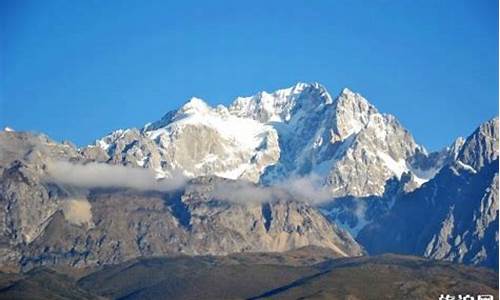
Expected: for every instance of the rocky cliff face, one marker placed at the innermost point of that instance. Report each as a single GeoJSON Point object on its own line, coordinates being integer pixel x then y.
{"type": "Point", "coordinates": [346, 141]}
{"type": "Point", "coordinates": [271, 137]}
{"type": "Point", "coordinates": [454, 216]}
{"type": "Point", "coordinates": [45, 222]}
{"type": "Point", "coordinates": [125, 225]}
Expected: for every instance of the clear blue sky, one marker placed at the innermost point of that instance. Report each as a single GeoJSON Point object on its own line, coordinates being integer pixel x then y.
{"type": "Point", "coordinates": [79, 69]}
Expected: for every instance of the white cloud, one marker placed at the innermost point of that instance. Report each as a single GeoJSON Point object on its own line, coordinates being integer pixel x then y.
{"type": "Point", "coordinates": [93, 175]}
{"type": "Point", "coordinates": [306, 189]}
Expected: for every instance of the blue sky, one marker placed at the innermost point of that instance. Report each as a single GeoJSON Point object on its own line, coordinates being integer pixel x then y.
{"type": "Point", "coordinates": [76, 70]}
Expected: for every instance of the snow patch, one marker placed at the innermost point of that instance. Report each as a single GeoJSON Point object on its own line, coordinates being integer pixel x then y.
{"type": "Point", "coordinates": [195, 105]}
{"type": "Point", "coordinates": [466, 167]}
{"type": "Point", "coordinates": [396, 167]}
{"type": "Point", "coordinates": [419, 181]}
{"type": "Point", "coordinates": [142, 161]}
{"type": "Point", "coordinates": [234, 173]}
{"type": "Point", "coordinates": [422, 176]}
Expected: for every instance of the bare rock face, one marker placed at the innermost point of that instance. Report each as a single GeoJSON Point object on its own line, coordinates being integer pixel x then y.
{"type": "Point", "coordinates": [455, 215]}
{"type": "Point", "coordinates": [280, 225]}
{"type": "Point", "coordinates": [481, 148]}
{"type": "Point", "coordinates": [26, 202]}
{"type": "Point", "coordinates": [47, 223]}
{"type": "Point", "coordinates": [127, 224]}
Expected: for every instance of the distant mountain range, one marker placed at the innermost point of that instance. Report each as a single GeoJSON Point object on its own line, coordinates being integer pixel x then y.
{"type": "Point", "coordinates": [269, 173]}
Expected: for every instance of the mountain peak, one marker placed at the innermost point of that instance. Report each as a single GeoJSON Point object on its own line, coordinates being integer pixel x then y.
{"type": "Point", "coordinates": [353, 113]}
{"type": "Point", "coordinates": [272, 135]}
{"type": "Point", "coordinates": [481, 147]}
{"type": "Point", "coordinates": [348, 95]}
{"type": "Point", "coordinates": [347, 92]}
{"type": "Point", "coordinates": [195, 105]}
{"type": "Point", "coordinates": [300, 86]}
{"type": "Point", "coordinates": [491, 125]}
{"type": "Point", "coordinates": [269, 107]}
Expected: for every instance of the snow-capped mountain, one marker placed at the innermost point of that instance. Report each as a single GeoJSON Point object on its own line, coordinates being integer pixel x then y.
{"type": "Point", "coordinates": [197, 140]}
{"type": "Point", "coordinates": [455, 215]}
{"type": "Point", "coordinates": [380, 185]}
{"type": "Point", "coordinates": [269, 137]}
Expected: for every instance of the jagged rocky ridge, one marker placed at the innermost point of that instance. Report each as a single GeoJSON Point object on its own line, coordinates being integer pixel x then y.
{"type": "Point", "coordinates": [48, 223]}
{"type": "Point", "coordinates": [368, 162]}
{"type": "Point", "coordinates": [268, 138]}
{"type": "Point", "coordinates": [454, 216]}
{"type": "Point", "coordinates": [342, 142]}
